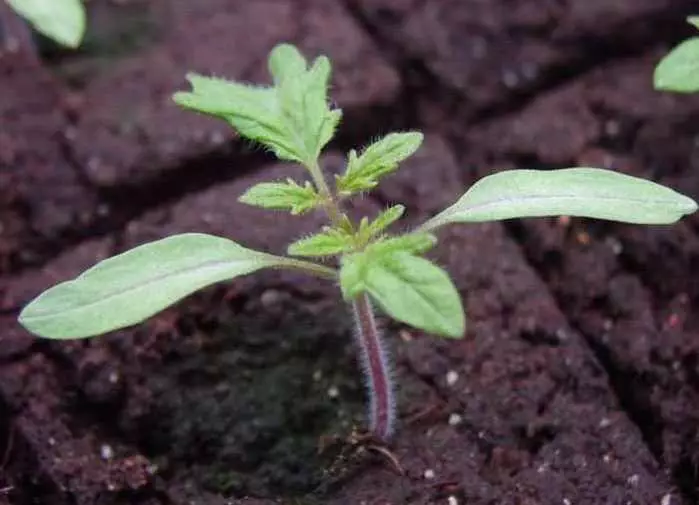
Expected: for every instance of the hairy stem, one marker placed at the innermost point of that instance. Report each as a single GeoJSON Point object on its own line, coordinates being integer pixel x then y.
{"type": "Point", "coordinates": [312, 268]}
{"type": "Point", "coordinates": [382, 407]}
{"type": "Point", "coordinates": [332, 207]}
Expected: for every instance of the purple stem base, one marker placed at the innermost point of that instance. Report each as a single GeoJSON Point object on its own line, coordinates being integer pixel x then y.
{"type": "Point", "coordinates": [382, 411]}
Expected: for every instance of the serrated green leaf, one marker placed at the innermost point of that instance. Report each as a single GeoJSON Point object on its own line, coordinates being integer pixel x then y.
{"type": "Point", "coordinates": [409, 288]}
{"type": "Point", "coordinates": [126, 289]}
{"type": "Point", "coordinates": [285, 61]}
{"type": "Point", "coordinates": [293, 118]}
{"type": "Point", "coordinates": [694, 21]}
{"type": "Point", "coordinates": [253, 111]}
{"type": "Point", "coordinates": [583, 192]}
{"type": "Point", "coordinates": [283, 196]}
{"type": "Point", "coordinates": [380, 158]}
{"type": "Point", "coordinates": [61, 20]}
{"type": "Point", "coordinates": [328, 243]}
{"type": "Point", "coordinates": [679, 70]}
{"type": "Point", "coordinates": [304, 105]}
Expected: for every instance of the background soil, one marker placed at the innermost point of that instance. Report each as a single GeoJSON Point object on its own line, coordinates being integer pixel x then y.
{"type": "Point", "coordinates": [578, 380]}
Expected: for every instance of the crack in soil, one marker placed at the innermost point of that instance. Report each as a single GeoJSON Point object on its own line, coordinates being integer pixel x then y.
{"type": "Point", "coordinates": [623, 383]}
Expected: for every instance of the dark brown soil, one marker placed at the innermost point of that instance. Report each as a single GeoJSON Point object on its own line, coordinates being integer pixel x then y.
{"type": "Point", "coordinates": [578, 381]}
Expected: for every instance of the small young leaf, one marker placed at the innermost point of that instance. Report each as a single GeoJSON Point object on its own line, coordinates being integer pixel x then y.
{"type": "Point", "coordinates": [126, 289]}
{"type": "Point", "coordinates": [694, 21]}
{"type": "Point", "coordinates": [679, 70]}
{"type": "Point", "coordinates": [583, 192]}
{"type": "Point", "coordinates": [385, 219]}
{"type": "Point", "coordinates": [253, 111]}
{"type": "Point", "coordinates": [413, 243]}
{"type": "Point", "coordinates": [60, 20]}
{"type": "Point", "coordinates": [409, 288]}
{"type": "Point", "coordinates": [282, 196]}
{"type": "Point", "coordinates": [380, 158]}
{"type": "Point", "coordinates": [328, 243]}
{"type": "Point", "coordinates": [285, 61]}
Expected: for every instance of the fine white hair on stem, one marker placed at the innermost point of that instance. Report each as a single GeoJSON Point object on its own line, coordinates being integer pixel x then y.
{"type": "Point", "coordinates": [377, 369]}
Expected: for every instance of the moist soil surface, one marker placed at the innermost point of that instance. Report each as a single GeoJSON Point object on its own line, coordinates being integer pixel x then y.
{"type": "Point", "coordinates": [577, 382]}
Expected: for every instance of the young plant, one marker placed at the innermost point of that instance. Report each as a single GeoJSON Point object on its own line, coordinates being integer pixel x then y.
{"type": "Point", "coordinates": [60, 20]}
{"type": "Point", "coordinates": [678, 71]}
{"type": "Point", "coordinates": [293, 119]}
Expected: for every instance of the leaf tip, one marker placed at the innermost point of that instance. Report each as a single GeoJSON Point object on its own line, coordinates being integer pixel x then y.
{"type": "Point", "coordinates": [458, 329]}
{"type": "Point", "coordinates": [688, 206]}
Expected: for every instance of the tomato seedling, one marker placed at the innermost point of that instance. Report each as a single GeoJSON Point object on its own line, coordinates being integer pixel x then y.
{"type": "Point", "coordinates": [293, 118]}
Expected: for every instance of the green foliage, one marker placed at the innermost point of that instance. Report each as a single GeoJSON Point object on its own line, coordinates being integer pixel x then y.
{"type": "Point", "coordinates": [292, 118]}
{"type": "Point", "coordinates": [585, 192]}
{"type": "Point", "coordinates": [369, 230]}
{"type": "Point", "coordinates": [379, 159]}
{"type": "Point", "coordinates": [287, 195]}
{"type": "Point", "coordinates": [60, 20]}
{"type": "Point", "coordinates": [126, 289]}
{"type": "Point", "coordinates": [678, 71]}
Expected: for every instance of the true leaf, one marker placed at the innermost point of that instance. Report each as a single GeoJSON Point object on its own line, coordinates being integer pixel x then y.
{"type": "Point", "coordinates": [328, 243]}
{"type": "Point", "coordinates": [380, 158]}
{"type": "Point", "coordinates": [283, 195]}
{"type": "Point", "coordinates": [679, 70]}
{"type": "Point", "coordinates": [694, 21]}
{"type": "Point", "coordinates": [409, 288]}
{"type": "Point", "coordinates": [61, 20]}
{"type": "Point", "coordinates": [253, 111]}
{"type": "Point", "coordinates": [584, 192]}
{"type": "Point", "coordinates": [304, 108]}
{"type": "Point", "coordinates": [128, 288]}
{"type": "Point", "coordinates": [293, 118]}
